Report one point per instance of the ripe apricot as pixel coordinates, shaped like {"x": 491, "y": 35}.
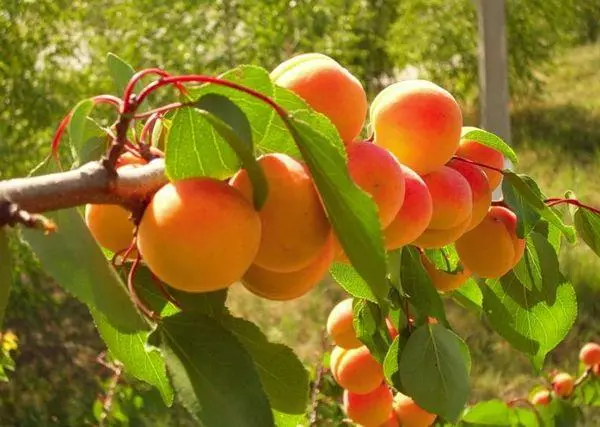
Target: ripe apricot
{"x": 287, "y": 286}
{"x": 451, "y": 196}
{"x": 473, "y": 150}
{"x": 199, "y": 235}
{"x": 541, "y": 397}
{"x": 492, "y": 248}
{"x": 442, "y": 280}
{"x": 356, "y": 370}
{"x": 339, "y": 325}
{"x": 480, "y": 189}
{"x": 414, "y": 215}
{"x": 376, "y": 171}
{"x": 369, "y": 409}
{"x": 419, "y": 122}
{"x": 410, "y": 414}
{"x": 590, "y": 354}
{"x": 596, "y": 370}
{"x": 432, "y": 239}
{"x": 392, "y": 421}
{"x": 294, "y": 225}
{"x": 563, "y": 384}
{"x": 327, "y": 87}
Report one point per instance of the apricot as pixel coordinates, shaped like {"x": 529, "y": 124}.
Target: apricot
{"x": 473, "y": 150}
{"x": 541, "y": 397}
{"x": 199, "y": 235}
{"x": 451, "y": 196}
{"x": 596, "y": 370}
{"x": 339, "y": 325}
{"x": 287, "y": 286}
{"x": 590, "y": 354}
{"x": 410, "y": 414}
{"x": 414, "y": 215}
{"x": 492, "y": 248}
{"x": 480, "y": 189}
{"x": 433, "y": 239}
{"x": 376, "y": 171}
{"x": 369, "y": 409}
{"x": 442, "y": 280}
{"x": 419, "y": 122}
{"x": 392, "y": 421}
{"x": 328, "y": 88}
{"x": 563, "y": 384}
{"x": 294, "y": 225}
{"x": 356, "y": 370}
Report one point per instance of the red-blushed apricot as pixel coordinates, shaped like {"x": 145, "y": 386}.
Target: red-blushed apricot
{"x": 474, "y": 151}
{"x": 357, "y": 370}
{"x": 339, "y": 325}
{"x": 563, "y": 384}
{"x": 376, "y": 171}
{"x": 392, "y": 421}
{"x": 287, "y": 286}
{"x": 433, "y": 239}
{"x": 596, "y": 370}
{"x": 369, "y": 409}
{"x": 442, "y": 280}
{"x": 541, "y": 397}
{"x": 451, "y": 196}
{"x": 414, "y": 215}
{"x": 590, "y": 354}
{"x": 410, "y": 414}
{"x": 492, "y": 248}
{"x": 294, "y": 225}
{"x": 199, "y": 235}
{"x": 327, "y": 87}
{"x": 419, "y": 122}
{"x": 480, "y": 189}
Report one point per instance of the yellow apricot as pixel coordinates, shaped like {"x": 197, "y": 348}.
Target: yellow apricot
{"x": 410, "y": 414}
{"x": 473, "y": 150}
{"x": 542, "y": 398}
{"x": 287, "y": 286}
{"x": 357, "y": 370}
{"x": 442, "y": 280}
{"x": 111, "y": 227}
{"x": 414, "y": 215}
{"x": 451, "y": 196}
{"x": 339, "y": 325}
{"x": 434, "y": 239}
{"x": 480, "y": 189}
{"x": 199, "y": 235}
{"x": 327, "y": 87}
{"x": 563, "y": 384}
{"x": 369, "y": 409}
{"x": 419, "y": 122}
{"x": 294, "y": 225}
{"x": 492, "y": 248}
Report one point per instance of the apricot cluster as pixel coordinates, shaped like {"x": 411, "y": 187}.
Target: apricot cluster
{"x": 367, "y": 399}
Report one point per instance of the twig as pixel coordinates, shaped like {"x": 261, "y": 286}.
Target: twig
{"x": 11, "y": 214}
{"x": 110, "y": 394}
{"x": 317, "y": 384}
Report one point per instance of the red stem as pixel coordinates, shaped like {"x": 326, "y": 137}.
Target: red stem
{"x": 149, "y": 127}
{"x": 483, "y": 165}
{"x": 161, "y": 110}
{"x": 136, "y": 77}
{"x": 557, "y": 201}
{"x": 134, "y": 296}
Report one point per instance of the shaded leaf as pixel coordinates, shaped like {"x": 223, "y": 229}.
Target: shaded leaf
{"x": 489, "y": 139}
{"x": 85, "y": 136}
{"x": 369, "y": 323}
{"x": 121, "y": 72}
{"x": 539, "y": 265}
{"x": 587, "y": 225}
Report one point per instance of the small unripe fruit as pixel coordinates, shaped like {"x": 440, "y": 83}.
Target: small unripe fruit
{"x": 542, "y": 397}
{"x": 590, "y": 354}
{"x": 339, "y": 325}
{"x": 357, "y": 370}
{"x": 563, "y": 384}
{"x": 410, "y": 414}
{"x": 369, "y": 409}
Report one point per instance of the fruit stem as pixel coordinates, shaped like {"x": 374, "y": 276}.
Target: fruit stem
{"x": 127, "y": 101}
{"x": 557, "y": 201}
{"x": 483, "y": 165}
{"x": 150, "y": 314}
{"x": 160, "y": 110}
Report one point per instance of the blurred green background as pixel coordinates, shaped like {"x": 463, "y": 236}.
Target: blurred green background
{"x": 53, "y": 53}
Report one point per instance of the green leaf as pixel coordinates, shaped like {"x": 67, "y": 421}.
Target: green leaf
{"x": 289, "y": 420}
{"x": 85, "y": 136}
{"x": 490, "y": 413}
{"x": 350, "y": 280}
{"x": 121, "y": 72}
{"x": 469, "y": 296}
{"x": 352, "y": 212}
{"x": 491, "y": 140}
{"x": 559, "y": 413}
{"x": 532, "y": 321}
{"x": 445, "y": 259}
{"x": 5, "y": 273}
{"x": 391, "y": 363}
{"x": 282, "y": 374}
{"x": 369, "y": 323}
{"x": 215, "y": 378}
{"x": 147, "y": 288}
{"x": 587, "y": 224}
{"x": 434, "y": 370}
{"x": 588, "y": 392}
{"x": 539, "y": 265}
{"x": 231, "y": 123}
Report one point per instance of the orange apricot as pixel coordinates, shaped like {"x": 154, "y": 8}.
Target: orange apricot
{"x": 452, "y": 198}
{"x": 419, "y": 122}
{"x": 410, "y": 414}
{"x": 541, "y": 397}
{"x": 492, "y": 248}
{"x": 287, "y": 286}
{"x": 442, "y": 280}
{"x": 473, "y": 150}
{"x": 369, "y": 409}
{"x": 414, "y": 215}
{"x": 590, "y": 354}
{"x": 199, "y": 235}
{"x": 339, "y": 325}
{"x": 480, "y": 189}
{"x": 328, "y": 88}
{"x": 563, "y": 384}
{"x": 294, "y": 225}
{"x": 356, "y": 370}
{"x": 433, "y": 239}
{"x": 392, "y": 421}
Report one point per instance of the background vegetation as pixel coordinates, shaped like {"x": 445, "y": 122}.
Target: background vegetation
{"x": 52, "y": 54}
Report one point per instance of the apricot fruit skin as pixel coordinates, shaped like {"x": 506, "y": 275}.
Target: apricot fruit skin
{"x": 339, "y": 325}
{"x": 474, "y": 151}
{"x": 357, "y": 370}
{"x": 451, "y": 196}
{"x": 434, "y": 239}
{"x": 111, "y": 227}
{"x": 480, "y": 189}
{"x": 590, "y": 354}
{"x": 295, "y": 227}
{"x": 492, "y": 248}
{"x": 199, "y": 235}
{"x": 377, "y": 172}
{"x": 442, "y": 280}
{"x": 328, "y": 88}
{"x": 563, "y": 384}
{"x": 541, "y": 397}
{"x": 410, "y": 414}
{"x": 414, "y": 215}
{"x": 392, "y": 421}
{"x": 419, "y": 122}
{"x": 371, "y": 409}
{"x": 288, "y": 286}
